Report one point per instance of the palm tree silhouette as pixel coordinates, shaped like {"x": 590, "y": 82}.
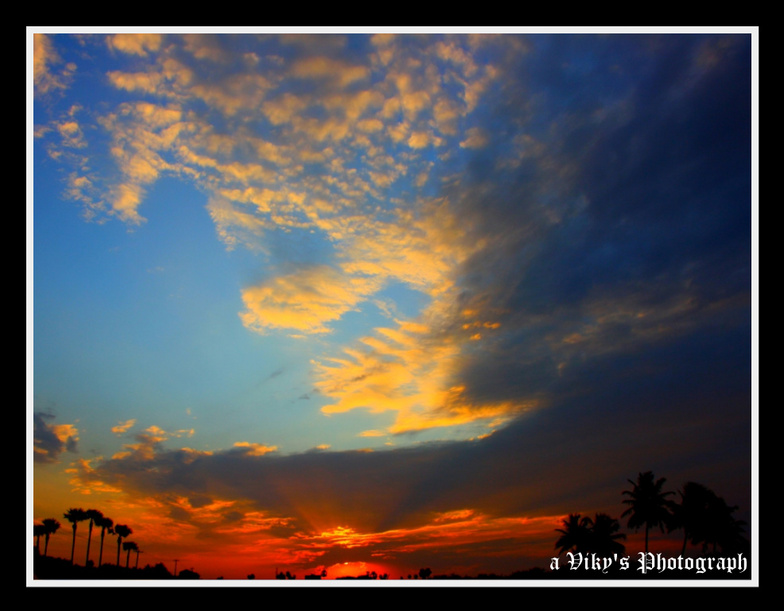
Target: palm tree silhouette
{"x": 38, "y": 531}
{"x": 585, "y": 535}
{"x": 128, "y": 546}
{"x": 691, "y": 513}
{"x": 722, "y": 530}
{"x": 105, "y": 524}
{"x": 93, "y": 515}
{"x": 648, "y": 504}
{"x": 604, "y": 538}
{"x": 52, "y": 526}
{"x": 575, "y": 534}
{"x": 74, "y": 516}
{"x": 122, "y": 531}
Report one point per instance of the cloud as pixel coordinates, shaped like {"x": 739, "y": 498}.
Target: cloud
{"x": 411, "y": 372}
{"x": 580, "y": 262}
{"x": 123, "y": 427}
{"x": 574, "y": 250}
{"x": 51, "y": 440}
{"x": 343, "y": 111}
{"x": 589, "y": 244}
{"x": 141, "y": 81}
{"x": 45, "y": 58}
{"x": 475, "y": 138}
{"x": 144, "y": 137}
{"x": 135, "y": 44}
{"x": 588, "y": 206}
{"x": 254, "y": 449}
{"x": 72, "y": 135}
{"x": 326, "y": 68}
{"x": 515, "y": 484}
{"x": 147, "y": 443}
{"x": 304, "y": 301}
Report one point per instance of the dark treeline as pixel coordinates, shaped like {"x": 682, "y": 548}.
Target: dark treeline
{"x": 705, "y": 519}
{"x": 60, "y": 568}
{"x": 709, "y": 531}
{"x": 114, "y": 566}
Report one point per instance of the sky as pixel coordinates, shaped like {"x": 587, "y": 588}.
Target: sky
{"x": 385, "y": 300}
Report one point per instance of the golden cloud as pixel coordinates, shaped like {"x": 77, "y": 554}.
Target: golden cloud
{"x": 140, "y": 81}
{"x": 122, "y": 427}
{"x": 322, "y": 67}
{"x": 135, "y": 44}
{"x": 308, "y": 177}
{"x": 255, "y": 449}
{"x": 305, "y": 301}
{"x": 408, "y": 370}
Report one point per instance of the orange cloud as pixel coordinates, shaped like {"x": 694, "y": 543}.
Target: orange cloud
{"x": 148, "y": 441}
{"x": 44, "y": 56}
{"x": 85, "y": 478}
{"x": 351, "y": 111}
{"x": 135, "y": 44}
{"x": 255, "y": 449}
{"x": 408, "y": 370}
{"x": 305, "y": 301}
{"x": 322, "y": 67}
{"x": 64, "y": 432}
{"x": 123, "y": 427}
{"x": 445, "y": 533}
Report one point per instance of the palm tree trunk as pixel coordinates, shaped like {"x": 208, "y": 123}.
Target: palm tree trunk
{"x": 127, "y": 557}
{"x": 100, "y": 553}
{"x": 89, "y": 538}
{"x": 46, "y": 544}
{"x": 73, "y": 543}
{"x": 646, "y": 539}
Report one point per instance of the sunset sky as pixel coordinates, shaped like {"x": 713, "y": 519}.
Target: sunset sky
{"x": 391, "y": 299}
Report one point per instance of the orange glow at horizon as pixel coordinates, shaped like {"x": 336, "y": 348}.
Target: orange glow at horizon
{"x": 257, "y": 543}
{"x": 359, "y": 569}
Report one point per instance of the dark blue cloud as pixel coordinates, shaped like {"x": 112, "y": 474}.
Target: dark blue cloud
{"x": 618, "y": 255}
{"x": 636, "y": 196}
{"x": 47, "y": 443}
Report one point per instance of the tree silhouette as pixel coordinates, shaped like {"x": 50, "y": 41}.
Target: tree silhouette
{"x": 51, "y": 526}
{"x": 648, "y": 504}
{"x": 105, "y": 524}
{"x": 721, "y": 529}
{"x": 93, "y": 515}
{"x": 690, "y": 514}
{"x": 585, "y": 535}
{"x": 122, "y": 531}
{"x": 707, "y": 520}
{"x": 191, "y": 574}
{"x": 574, "y": 534}
{"x": 74, "y": 516}
{"x": 604, "y": 538}
{"x": 38, "y": 531}
{"x": 128, "y": 546}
